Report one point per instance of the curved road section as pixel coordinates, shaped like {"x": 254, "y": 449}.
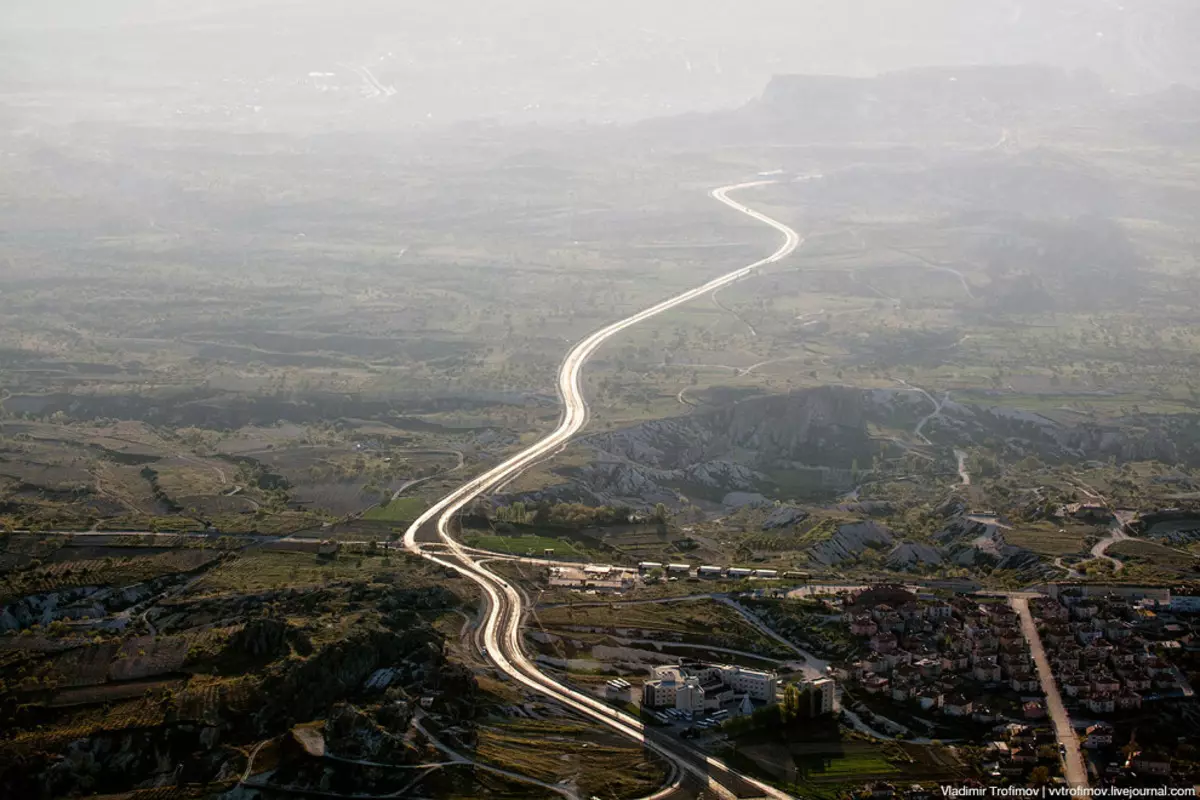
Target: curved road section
{"x": 505, "y": 613}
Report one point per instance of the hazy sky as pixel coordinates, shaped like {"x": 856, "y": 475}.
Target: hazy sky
{"x": 281, "y": 62}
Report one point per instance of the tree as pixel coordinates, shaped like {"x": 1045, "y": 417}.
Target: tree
{"x": 789, "y": 711}
{"x": 1040, "y": 776}
{"x": 661, "y": 515}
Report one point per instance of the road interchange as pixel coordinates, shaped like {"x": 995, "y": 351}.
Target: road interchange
{"x": 501, "y": 630}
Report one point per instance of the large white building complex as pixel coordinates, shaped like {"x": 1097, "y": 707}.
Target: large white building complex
{"x": 696, "y": 687}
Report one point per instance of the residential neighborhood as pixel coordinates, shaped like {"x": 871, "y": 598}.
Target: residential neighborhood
{"x": 959, "y": 666}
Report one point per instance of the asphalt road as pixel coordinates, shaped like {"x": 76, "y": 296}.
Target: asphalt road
{"x": 506, "y": 610}
{"x": 1073, "y": 765}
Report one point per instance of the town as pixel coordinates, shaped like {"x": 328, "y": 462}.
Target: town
{"x": 1065, "y": 684}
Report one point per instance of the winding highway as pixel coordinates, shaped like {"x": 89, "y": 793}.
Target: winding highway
{"x": 505, "y": 607}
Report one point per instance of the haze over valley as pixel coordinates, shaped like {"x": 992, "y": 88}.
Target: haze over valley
{"x": 625, "y": 400}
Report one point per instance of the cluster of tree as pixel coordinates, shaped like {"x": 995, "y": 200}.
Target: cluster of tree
{"x": 564, "y": 515}
{"x": 798, "y": 707}
{"x": 151, "y": 477}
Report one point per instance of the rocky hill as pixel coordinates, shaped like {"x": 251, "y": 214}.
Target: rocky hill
{"x": 727, "y": 449}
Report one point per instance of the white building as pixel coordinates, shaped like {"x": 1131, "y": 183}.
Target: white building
{"x": 739, "y": 572}
{"x": 679, "y": 567}
{"x": 759, "y": 685}
{"x": 690, "y": 696}
{"x": 700, "y": 686}
{"x": 646, "y": 566}
{"x": 710, "y": 572}
{"x": 824, "y": 688}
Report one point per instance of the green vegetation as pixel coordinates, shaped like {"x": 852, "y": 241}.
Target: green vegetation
{"x": 402, "y": 509}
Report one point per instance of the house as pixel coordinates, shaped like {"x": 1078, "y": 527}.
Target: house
{"x": 929, "y": 699}
{"x": 875, "y": 684}
{"x": 1086, "y": 512}
{"x": 874, "y": 663}
{"x": 984, "y": 714}
{"x": 1019, "y": 734}
{"x": 1074, "y": 685}
{"x": 954, "y": 662}
{"x": 985, "y": 673}
{"x": 1024, "y": 755}
{"x": 1151, "y": 763}
{"x": 1129, "y": 701}
{"x": 956, "y": 705}
{"x": 1136, "y": 681}
{"x": 1122, "y": 658}
{"x": 1099, "y": 735}
{"x": 1044, "y": 734}
{"x": 1047, "y": 609}
{"x": 1105, "y": 684}
{"x": 1101, "y": 703}
{"x": 884, "y": 642}
{"x": 939, "y": 610}
{"x": 1056, "y": 633}
{"x": 863, "y": 625}
{"x": 929, "y": 667}
{"x": 879, "y": 791}
{"x": 1034, "y": 709}
{"x": 1024, "y": 682}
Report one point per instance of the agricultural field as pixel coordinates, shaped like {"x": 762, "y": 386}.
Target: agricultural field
{"x": 1050, "y": 540}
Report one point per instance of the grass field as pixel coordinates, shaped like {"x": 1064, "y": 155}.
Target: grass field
{"x": 850, "y": 765}
{"x": 402, "y": 509}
